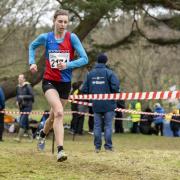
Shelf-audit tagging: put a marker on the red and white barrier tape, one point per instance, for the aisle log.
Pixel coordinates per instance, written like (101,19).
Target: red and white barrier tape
(144,113)
(121,119)
(87,114)
(123,110)
(32,112)
(129,96)
(126,110)
(80,102)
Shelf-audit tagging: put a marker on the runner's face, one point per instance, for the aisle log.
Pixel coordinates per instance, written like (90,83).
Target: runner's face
(60,23)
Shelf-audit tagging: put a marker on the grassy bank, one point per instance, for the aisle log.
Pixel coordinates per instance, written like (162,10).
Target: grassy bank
(135,157)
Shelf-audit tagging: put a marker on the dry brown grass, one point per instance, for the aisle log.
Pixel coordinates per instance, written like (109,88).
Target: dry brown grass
(135,157)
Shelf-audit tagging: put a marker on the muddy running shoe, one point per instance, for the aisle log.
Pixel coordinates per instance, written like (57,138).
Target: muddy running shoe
(61,156)
(41,143)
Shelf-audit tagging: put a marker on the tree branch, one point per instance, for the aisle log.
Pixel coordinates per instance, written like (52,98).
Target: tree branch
(69,9)
(173,5)
(159,40)
(125,40)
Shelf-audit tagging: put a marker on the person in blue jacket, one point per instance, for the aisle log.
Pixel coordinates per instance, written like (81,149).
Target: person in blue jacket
(158,119)
(101,80)
(2,106)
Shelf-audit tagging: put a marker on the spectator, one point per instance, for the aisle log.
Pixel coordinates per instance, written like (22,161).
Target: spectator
(24,100)
(81,109)
(80,121)
(74,107)
(158,119)
(145,123)
(91,120)
(135,116)
(2,106)
(175,125)
(119,123)
(101,80)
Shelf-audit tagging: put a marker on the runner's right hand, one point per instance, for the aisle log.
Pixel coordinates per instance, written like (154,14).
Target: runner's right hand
(33,68)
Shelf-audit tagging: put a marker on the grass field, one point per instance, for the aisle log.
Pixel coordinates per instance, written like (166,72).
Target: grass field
(135,157)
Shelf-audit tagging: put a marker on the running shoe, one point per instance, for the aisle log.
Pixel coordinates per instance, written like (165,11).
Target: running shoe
(41,143)
(61,156)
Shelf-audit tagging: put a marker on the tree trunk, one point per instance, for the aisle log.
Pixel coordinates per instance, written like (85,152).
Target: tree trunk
(9,83)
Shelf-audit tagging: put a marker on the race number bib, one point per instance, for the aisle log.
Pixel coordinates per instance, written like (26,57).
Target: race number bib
(56,57)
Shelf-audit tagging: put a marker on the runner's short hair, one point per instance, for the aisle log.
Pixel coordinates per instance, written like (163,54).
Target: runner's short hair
(61,12)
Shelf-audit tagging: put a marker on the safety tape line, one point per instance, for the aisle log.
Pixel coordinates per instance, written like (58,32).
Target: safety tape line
(129,96)
(124,119)
(80,102)
(125,110)
(32,112)
(70,112)
(144,113)
(88,114)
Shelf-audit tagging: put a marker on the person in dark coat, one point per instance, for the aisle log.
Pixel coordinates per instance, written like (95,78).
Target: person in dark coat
(2,106)
(74,107)
(81,116)
(119,123)
(24,100)
(91,120)
(101,80)
(146,121)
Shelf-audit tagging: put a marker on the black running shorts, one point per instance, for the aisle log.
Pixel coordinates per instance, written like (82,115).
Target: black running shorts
(63,88)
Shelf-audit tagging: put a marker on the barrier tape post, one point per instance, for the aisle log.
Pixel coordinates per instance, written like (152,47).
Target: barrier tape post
(90,104)
(53,138)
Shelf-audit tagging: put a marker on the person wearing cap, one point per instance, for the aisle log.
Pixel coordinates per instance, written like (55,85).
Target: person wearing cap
(158,119)
(175,122)
(101,80)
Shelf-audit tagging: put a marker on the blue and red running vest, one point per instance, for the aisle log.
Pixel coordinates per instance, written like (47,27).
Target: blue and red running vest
(53,45)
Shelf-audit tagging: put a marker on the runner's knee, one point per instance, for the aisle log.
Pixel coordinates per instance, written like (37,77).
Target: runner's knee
(58,114)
